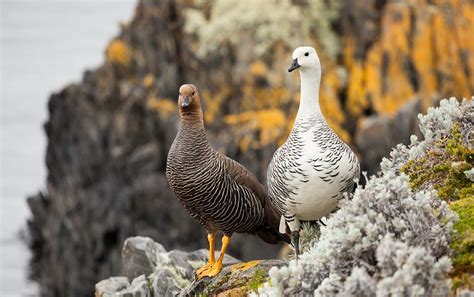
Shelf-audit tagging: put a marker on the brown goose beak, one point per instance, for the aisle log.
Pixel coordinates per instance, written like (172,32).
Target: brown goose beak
(185,102)
(294,65)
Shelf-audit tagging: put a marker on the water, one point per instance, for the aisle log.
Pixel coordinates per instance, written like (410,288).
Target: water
(44,46)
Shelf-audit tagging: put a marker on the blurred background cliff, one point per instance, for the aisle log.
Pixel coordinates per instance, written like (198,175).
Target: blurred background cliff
(108,134)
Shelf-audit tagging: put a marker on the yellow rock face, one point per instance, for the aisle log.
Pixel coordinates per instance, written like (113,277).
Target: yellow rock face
(420,49)
(423,49)
(411,48)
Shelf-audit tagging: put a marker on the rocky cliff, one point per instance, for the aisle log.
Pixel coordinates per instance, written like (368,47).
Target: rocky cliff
(108,135)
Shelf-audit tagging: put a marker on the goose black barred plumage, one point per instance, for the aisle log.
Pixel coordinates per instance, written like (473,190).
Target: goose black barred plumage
(221,194)
(313,169)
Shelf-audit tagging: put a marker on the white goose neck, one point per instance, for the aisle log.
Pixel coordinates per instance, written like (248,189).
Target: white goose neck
(309,95)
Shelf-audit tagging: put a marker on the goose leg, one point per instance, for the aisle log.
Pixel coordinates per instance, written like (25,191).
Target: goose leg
(294,224)
(295,240)
(217,267)
(211,239)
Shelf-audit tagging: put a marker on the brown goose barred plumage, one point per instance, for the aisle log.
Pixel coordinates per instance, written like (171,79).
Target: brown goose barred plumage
(217,191)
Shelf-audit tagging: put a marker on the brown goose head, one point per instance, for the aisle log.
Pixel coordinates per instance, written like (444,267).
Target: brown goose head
(189,98)
(189,103)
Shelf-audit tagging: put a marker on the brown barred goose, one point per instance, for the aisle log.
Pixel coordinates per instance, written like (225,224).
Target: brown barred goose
(218,192)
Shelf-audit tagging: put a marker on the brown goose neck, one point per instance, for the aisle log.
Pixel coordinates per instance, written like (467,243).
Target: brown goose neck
(192,119)
(192,126)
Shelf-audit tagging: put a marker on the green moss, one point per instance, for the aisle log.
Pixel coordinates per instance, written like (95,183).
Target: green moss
(463,242)
(257,279)
(443,167)
(149,282)
(460,280)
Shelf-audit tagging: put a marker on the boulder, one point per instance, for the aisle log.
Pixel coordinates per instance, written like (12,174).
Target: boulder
(378,134)
(234,280)
(140,256)
(108,287)
(138,288)
(155,272)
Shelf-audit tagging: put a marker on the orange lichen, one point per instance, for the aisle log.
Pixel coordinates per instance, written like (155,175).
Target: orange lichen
(396,24)
(165,107)
(356,99)
(258,68)
(245,266)
(269,125)
(118,52)
(330,105)
(148,80)
(213,102)
(423,58)
(423,49)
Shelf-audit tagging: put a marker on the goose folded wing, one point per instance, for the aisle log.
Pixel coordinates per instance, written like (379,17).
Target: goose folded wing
(246,178)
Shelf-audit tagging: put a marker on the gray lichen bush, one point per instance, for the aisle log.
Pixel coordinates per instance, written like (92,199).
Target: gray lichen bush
(436,124)
(388,240)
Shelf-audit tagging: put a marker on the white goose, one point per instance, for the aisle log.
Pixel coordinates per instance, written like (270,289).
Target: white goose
(311,171)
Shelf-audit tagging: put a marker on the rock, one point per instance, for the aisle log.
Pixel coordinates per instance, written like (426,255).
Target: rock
(379,134)
(140,256)
(175,270)
(172,273)
(234,280)
(138,288)
(108,287)
(165,284)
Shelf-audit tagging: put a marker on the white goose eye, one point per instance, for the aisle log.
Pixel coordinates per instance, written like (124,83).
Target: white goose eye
(306,54)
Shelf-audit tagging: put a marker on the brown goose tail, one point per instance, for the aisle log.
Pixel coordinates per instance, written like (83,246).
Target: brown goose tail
(268,232)
(272,236)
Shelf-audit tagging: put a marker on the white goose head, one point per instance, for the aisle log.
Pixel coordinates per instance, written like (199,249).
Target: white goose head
(305,58)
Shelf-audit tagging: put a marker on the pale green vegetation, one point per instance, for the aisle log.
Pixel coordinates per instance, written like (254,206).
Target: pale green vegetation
(248,21)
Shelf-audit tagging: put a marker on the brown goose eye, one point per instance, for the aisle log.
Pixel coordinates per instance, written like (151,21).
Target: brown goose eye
(192,94)
(306,54)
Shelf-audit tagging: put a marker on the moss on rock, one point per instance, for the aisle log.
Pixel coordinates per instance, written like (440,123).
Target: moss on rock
(234,280)
(443,167)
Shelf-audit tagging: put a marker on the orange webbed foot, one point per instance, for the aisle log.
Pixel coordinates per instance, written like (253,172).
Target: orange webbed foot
(201,270)
(211,271)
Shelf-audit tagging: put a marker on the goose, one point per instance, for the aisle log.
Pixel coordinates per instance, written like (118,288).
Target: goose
(221,194)
(312,170)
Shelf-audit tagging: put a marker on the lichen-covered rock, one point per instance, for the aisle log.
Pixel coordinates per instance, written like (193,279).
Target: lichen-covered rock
(378,134)
(405,47)
(138,288)
(172,273)
(121,287)
(108,287)
(174,270)
(234,280)
(140,255)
